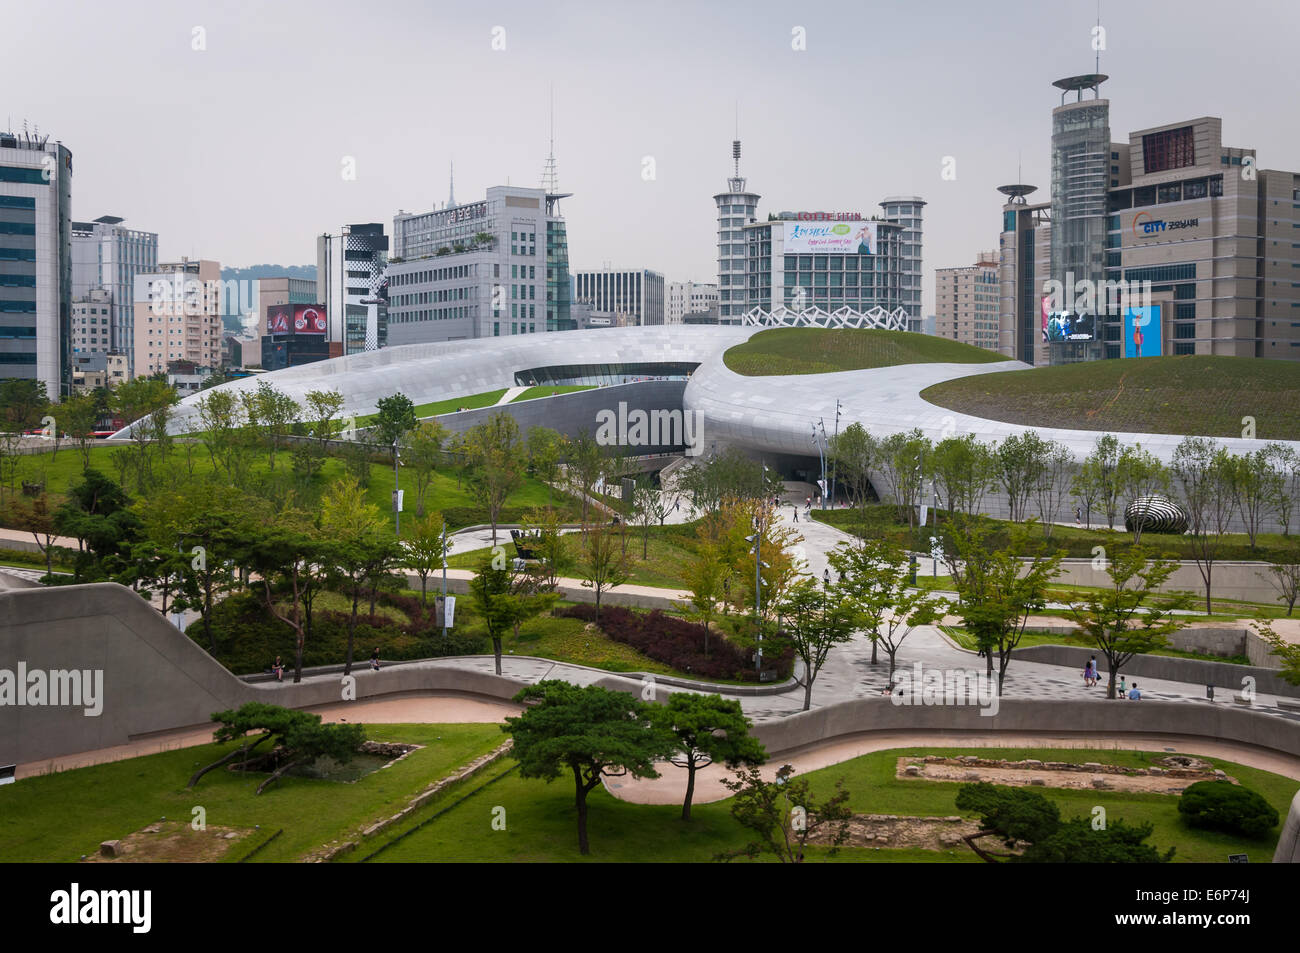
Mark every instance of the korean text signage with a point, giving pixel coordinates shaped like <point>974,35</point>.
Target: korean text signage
<point>1146,226</point>
<point>836,238</point>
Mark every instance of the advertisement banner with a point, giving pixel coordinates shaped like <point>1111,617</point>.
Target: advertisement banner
<point>1142,332</point>
<point>834,238</point>
<point>1044,312</point>
<point>1071,326</point>
<point>279,319</point>
<point>309,319</point>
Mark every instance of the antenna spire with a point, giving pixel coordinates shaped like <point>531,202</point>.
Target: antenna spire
<point>451,187</point>
<point>550,175</point>
<point>1096,46</point>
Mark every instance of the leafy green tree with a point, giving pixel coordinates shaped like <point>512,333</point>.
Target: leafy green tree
<point>1204,471</point>
<point>78,417</point>
<point>1127,618</point>
<point>783,814</point>
<point>874,585</point>
<point>98,513</point>
<point>1141,476</point>
<point>286,556</point>
<point>855,453</point>
<point>816,619</point>
<point>23,402</point>
<point>221,417</point>
<point>1256,483</point>
<point>584,465</point>
<point>360,543</point>
<point>1019,461</point>
<point>963,470</point>
<point>323,410</point>
<point>601,561</point>
<point>545,447</point>
<point>39,521</point>
<point>708,729</point>
<point>702,577</point>
<point>426,550</point>
<point>588,731</point>
<point>491,595</point>
<point>555,556</point>
<point>999,590</point>
<point>147,403</point>
<point>902,458</point>
<point>496,459</point>
<point>1288,653</point>
<point>1051,483</point>
<point>396,418</point>
<point>422,457</point>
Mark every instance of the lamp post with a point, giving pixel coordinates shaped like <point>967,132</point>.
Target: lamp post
<point>397,492</point>
<point>759,566</point>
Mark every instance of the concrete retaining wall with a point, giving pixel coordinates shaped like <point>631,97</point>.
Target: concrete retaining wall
<point>1288,845</point>
<point>1195,671</point>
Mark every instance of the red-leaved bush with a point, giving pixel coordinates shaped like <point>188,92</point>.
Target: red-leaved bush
<point>676,642</point>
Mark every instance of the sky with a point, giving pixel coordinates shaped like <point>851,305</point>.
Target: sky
<point>227,127</point>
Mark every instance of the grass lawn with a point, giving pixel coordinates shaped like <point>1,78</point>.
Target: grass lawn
<point>449,406</point>
<point>540,823</point>
<point>1197,394</point>
<point>549,391</point>
<point>455,502</point>
<point>822,350</point>
<point>62,816</point>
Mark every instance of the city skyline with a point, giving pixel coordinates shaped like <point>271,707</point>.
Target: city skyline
<point>251,151</point>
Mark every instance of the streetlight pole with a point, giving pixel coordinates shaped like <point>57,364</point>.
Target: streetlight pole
<point>397,492</point>
<point>837,437</point>
<point>444,578</point>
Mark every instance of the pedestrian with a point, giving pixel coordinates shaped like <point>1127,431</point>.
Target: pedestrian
<point>1134,694</point>
<point>1078,517</point>
<point>1092,663</point>
<point>374,660</point>
<point>1087,675</point>
<point>796,514</point>
<point>1209,692</point>
<point>278,669</point>
<point>1121,686</point>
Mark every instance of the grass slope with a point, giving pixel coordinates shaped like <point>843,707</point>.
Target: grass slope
<point>1197,394</point>
<point>822,350</point>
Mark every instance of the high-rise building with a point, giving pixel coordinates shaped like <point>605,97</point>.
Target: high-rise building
<point>826,260</point>
<point>689,297</point>
<point>966,302</point>
<point>91,328</point>
<point>906,210</point>
<point>352,283</point>
<point>271,291</point>
<point>737,207</point>
<point>178,316</point>
<point>638,293</point>
<point>1025,268</point>
<point>495,267</point>
<point>35,261</point>
<point>107,255</point>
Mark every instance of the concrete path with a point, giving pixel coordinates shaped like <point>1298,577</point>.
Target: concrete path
<point>510,394</point>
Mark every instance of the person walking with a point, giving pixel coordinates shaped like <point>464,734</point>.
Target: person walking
<point>796,514</point>
<point>1121,686</point>
<point>1092,663</point>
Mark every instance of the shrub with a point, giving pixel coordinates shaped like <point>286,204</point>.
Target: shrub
<point>675,642</point>
<point>1224,806</point>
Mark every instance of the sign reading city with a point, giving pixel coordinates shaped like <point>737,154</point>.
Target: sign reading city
<point>296,319</point>
<point>1142,332</point>
<point>835,238</point>
<point>1146,226</point>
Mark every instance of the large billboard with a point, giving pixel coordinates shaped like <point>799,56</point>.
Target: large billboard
<point>835,238</point>
<point>1142,332</point>
<point>296,319</point>
<point>1071,326</point>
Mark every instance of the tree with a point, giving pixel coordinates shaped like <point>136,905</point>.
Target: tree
<point>1023,816</point>
<point>496,459</point>
<point>544,448</point>
<point>1126,619</point>
<point>423,454</point>
<point>706,729</point>
<point>601,560</point>
<point>1086,488</point>
<point>426,550</point>
<point>360,544</point>
<point>645,511</point>
<point>323,409</point>
<point>1103,467</point>
<point>816,619</point>
<point>874,585</point>
<point>703,575</point>
<point>1019,461</point>
<point>285,553</point>
<point>78,417</point>
<point>395,419</point>
<point>1256,484</point>
<point>1141,475</point>
<point>783,814</point>
<point>589,731</point>
<point>554,554</point>
<point>39,521</point>
<point>999,590</point>
<point>1051,484</point>
<point>98,513</point>
<point>963,471</point>
<point>23,402</point>
<point>146,403</point>
<point>1285,570</point>
<point>221,419</point>
<point>493,600</point>
<point>855,453</point>
<point>271,413</point>
<point>727,476</point>
<point>1288,653</point>
<point>1204,472</point>
<point>902,456</point>
<point>584,466</point>
<point>1286,489</point>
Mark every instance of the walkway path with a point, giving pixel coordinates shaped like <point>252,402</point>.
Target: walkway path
<point>510,394</point>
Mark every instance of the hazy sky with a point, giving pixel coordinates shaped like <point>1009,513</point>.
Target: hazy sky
<point>235,152</point>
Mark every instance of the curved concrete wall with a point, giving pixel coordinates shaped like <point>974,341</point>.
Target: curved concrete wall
<point>1193,670</point>
<point>1288,845</point>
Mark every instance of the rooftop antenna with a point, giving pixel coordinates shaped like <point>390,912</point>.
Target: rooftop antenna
<point>735,143</point>
<point>451,188</point>
<point>550,176</point>
<point>1097,66</point>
